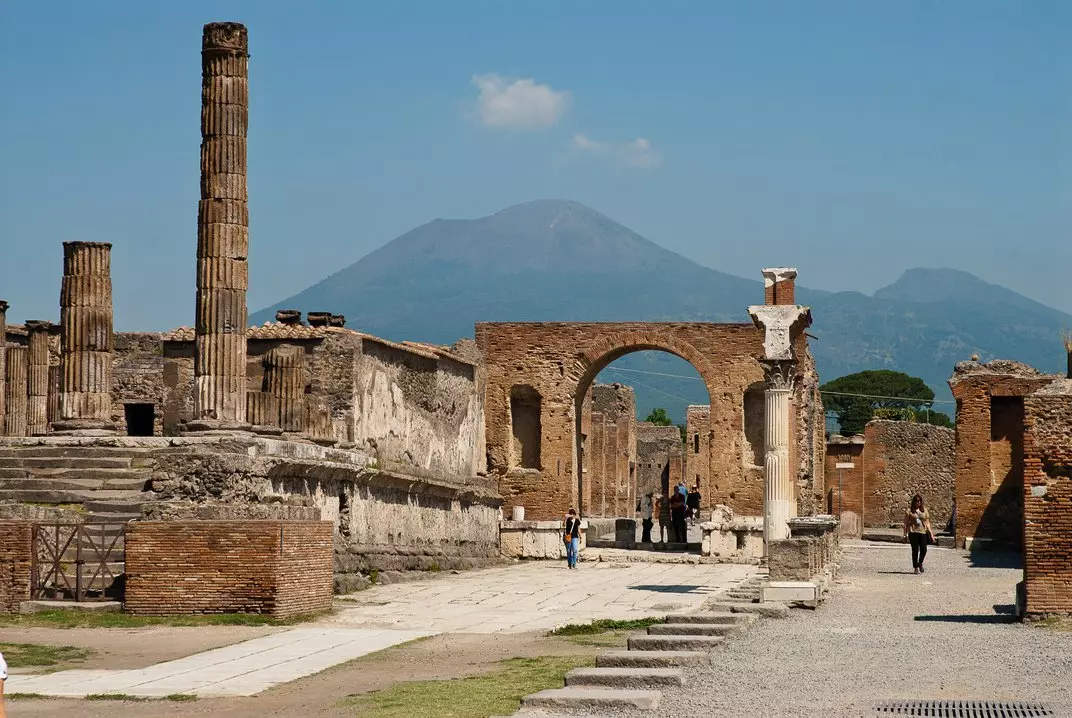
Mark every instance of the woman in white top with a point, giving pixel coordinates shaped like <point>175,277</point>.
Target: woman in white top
<point>3,679</point>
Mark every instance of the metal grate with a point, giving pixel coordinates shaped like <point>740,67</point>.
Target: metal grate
<point>964,709</point>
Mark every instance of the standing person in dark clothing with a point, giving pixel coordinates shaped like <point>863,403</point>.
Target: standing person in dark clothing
<point>692,502</point>
<point>677,517</point>
<point>646,507</point>
<point>917,530</point>
<point>572,538</point>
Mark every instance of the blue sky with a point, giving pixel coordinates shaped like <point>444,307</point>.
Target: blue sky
<point>850,139</point>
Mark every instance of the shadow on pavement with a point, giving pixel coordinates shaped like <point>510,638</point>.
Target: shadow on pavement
<point>673,589</point>
<point>969,618</point>
<point>991,558</point>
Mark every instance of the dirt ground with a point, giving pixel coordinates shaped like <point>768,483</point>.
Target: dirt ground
<point>441,657</point>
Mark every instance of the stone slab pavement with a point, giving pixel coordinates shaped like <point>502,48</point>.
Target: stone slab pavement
<point>242,669</point>
<point>539,596</point>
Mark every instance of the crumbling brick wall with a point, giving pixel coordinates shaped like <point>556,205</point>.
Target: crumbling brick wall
<point>280,568</point>
<point>903,458</point>
<point>845,487</point>
<point>138,377</point>
<point>560,360</point>
<point>16,558</point>
<point>656,447</point>
<point>610,446</point>
<point>1048,500</point>
<point>989,482</point>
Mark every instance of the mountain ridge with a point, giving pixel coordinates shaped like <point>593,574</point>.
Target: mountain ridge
<point>558,260</point>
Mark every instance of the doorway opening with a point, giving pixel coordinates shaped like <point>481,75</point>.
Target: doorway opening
<point>140,419</point>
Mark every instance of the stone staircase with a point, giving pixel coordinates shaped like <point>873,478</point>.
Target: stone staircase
<point>632,679</point>
<point>108,483</point>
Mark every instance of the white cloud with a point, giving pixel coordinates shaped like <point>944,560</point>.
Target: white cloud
<point>513,104</point>
<point>636,153</point>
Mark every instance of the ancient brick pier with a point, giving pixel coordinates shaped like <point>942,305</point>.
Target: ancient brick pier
<point>15,388</point>
<point>3,364</point>
<point>37,378</point>
<point>222,231</point>
<point>86,339</point>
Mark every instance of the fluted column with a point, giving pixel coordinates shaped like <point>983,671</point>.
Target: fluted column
<point>222,232</point>
<point>37,378</point>
<point>3,365</point>
<point>15,388</point>
<point>86,339</point>
<point>284,378</point>
<point>778,504</point>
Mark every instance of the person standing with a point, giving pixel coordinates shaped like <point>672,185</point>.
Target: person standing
<point>3,679</point>
<point>917,531</point>
<point>677,517</point>
<point>572,538</point>
<point>646,507</point>
<point>692,502</point>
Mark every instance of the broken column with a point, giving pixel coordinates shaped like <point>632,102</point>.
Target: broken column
<point>284,379</point>
<point>37,380</point>
<point>86,339</point>
<point>782,324</point>
<point>3,364</point>
<point>15,388</point>
<point>222,232</point>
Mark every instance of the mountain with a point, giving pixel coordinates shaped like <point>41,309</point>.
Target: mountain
<point>559,260</point>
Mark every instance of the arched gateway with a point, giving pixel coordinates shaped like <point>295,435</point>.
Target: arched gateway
<point>538,374</point>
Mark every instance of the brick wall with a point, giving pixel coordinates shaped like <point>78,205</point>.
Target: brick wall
<point>137,377</point>
<point>16,552</point>
<point>560,360</point>
<point>845,487</point>
<point>609,426</point>
<point>281,568</point>
<point>1048,502</point>
<point>989,485</point>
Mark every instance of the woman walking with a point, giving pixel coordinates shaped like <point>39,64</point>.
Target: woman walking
<point>572,538</point>
<point>917,531</point>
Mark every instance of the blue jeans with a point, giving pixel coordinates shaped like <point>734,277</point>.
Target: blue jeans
<point>572,549</point>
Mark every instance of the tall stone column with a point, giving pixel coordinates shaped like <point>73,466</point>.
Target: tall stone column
<point>86,340</point>
<point>781,325</point>
<point>778,503</point>
<point>37,384</point>
<point>3,365</point>
<point>222,232</point>
<point>284,378</point>
<point>15,388</point>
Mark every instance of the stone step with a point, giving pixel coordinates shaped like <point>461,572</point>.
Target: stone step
<point>68,496</point>
<point>652,659</point>
<point>586,699</point>
<point>767,610</point>
<point>625,677</point>
<point>695,629</point>
<point>36,483</point>
<point>112,518</point>
<point>674,642</point>
<point>132,508</point>
<point>711,617</point>
<point>73,450</point>
<point>65,462</point>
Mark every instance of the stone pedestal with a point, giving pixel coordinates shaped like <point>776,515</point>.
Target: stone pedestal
<point>3,364</point>
<point>86,340</point>
<point>222,233</point>
<point>37,379</point>
<point>778,503</point>
<point>15,388</point>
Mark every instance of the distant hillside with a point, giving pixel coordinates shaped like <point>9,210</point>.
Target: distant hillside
<point>559,260</point>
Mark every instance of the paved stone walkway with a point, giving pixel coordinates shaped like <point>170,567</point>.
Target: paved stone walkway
<point>540,595</point>
<point>243,669</point>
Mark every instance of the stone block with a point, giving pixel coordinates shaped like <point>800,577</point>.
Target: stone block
<point>801,592</point>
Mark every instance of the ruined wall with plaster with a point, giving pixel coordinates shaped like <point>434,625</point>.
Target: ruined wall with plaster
<point>610,479</point>
<point>657,449</point>
<point>901,459</point>
<point>138,377</point>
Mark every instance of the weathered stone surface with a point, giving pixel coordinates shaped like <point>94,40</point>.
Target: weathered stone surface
<point>37,377</point>
<point>15,389</point>
<point>3,365</point>
<point>290,317</point>
<point>609,440</point>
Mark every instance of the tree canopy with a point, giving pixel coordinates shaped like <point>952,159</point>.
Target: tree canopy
<point>659,417</point>
<point>858,398</point>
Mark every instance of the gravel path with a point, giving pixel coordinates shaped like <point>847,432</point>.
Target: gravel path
<point>887,634</point>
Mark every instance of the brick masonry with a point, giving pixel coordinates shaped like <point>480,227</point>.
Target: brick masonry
<point>609,438</point>
<point>16,557</point>
<point>281,568</point>
<point>1048,500</point>
<point>559,361</point>
<point>989,452</point>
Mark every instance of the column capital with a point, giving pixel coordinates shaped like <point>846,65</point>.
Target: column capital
<point>780,375</point>
<point>782,324</point>
<point>37,325</point>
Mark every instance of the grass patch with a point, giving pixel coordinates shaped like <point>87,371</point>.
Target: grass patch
<point>36,654</point>
<point>93,619</point>
<point>177,697</point>
<point>1055,623</point>
<point>495,693</point>
<point>29,697</point>
<point>603,625</point>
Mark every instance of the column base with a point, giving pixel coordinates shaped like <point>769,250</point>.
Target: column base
<point>83,427</point>
<point>266,430</point>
